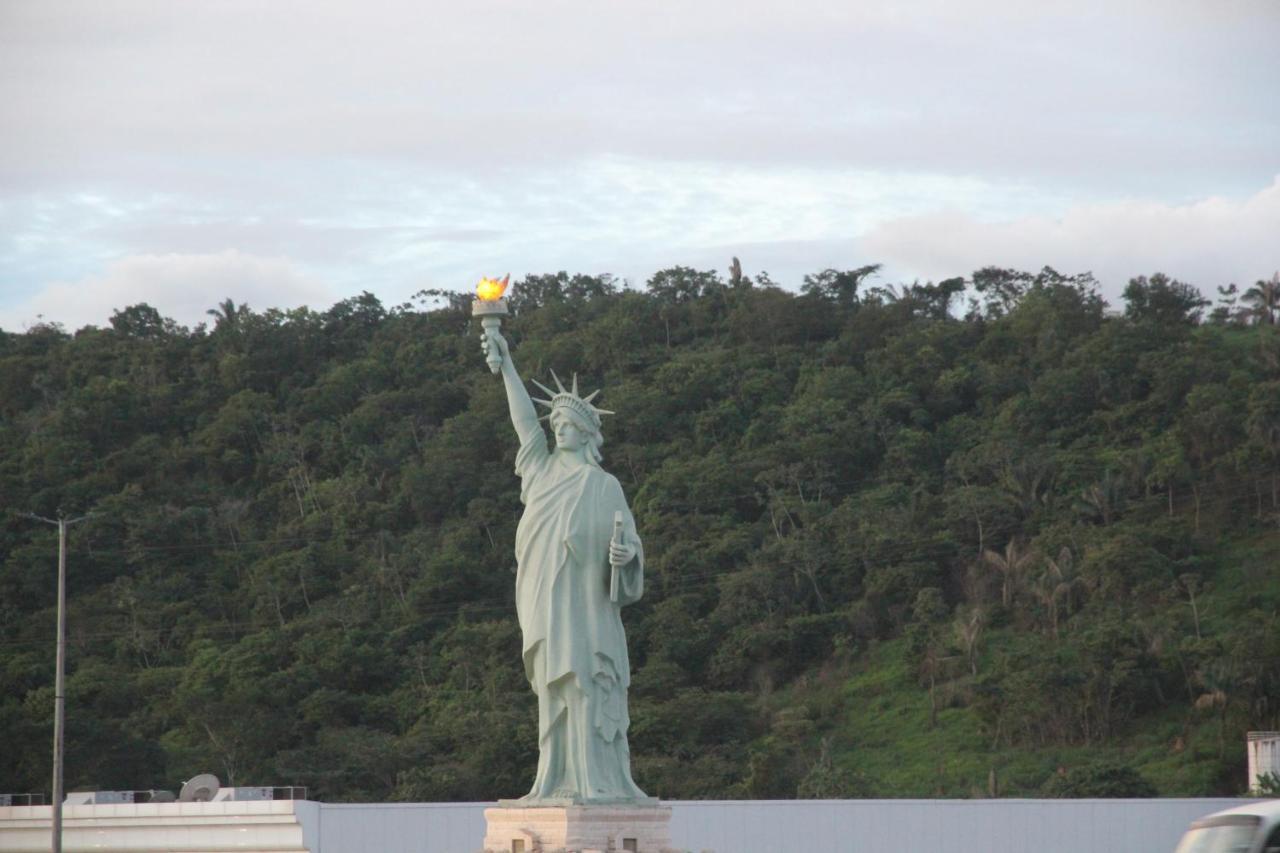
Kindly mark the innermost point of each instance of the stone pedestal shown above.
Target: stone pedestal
(578, 829)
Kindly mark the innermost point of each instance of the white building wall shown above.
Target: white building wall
(934, 826)
(262, 826)
(781, 826)
(401, 827)
(1264, 755)
(817, 826)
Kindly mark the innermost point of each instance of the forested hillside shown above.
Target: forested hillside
(983, 536)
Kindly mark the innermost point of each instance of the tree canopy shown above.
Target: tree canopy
(1030, 535)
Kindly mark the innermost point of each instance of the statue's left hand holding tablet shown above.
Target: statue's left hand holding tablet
(621, 553)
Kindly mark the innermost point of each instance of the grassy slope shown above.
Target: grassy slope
(884, 735)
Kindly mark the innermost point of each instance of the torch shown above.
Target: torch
(490, 307)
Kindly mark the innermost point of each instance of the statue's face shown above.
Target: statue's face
(569, 436)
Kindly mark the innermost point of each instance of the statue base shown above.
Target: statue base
(513, 827)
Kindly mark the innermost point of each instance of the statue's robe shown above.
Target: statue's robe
(575, 651)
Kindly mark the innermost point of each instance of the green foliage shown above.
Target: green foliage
(1102, 779)
(1268, 785)
(1163, 300)
(891, 552)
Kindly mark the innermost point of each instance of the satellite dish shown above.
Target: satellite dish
(199, 789)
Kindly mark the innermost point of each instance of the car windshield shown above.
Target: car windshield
(1232, 834)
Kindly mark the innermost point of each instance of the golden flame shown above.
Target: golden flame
(490, 289)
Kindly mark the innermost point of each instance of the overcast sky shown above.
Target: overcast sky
(290, 153)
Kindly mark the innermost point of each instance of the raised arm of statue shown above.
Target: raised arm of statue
(523, 415)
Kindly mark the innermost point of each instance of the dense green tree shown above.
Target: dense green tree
(1160, 299)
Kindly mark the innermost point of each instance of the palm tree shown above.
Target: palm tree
(1264, 298)
(225, 314)
(1103, 498)
(1192, 586)
(1056, 586)
(969, 624)
(1011, 565)
(1027, 482)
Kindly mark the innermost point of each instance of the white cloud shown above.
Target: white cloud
(182, 287)
(1101, 90)
(394, 235)
(1209, 242)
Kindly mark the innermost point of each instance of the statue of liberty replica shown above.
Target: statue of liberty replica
(579, 561)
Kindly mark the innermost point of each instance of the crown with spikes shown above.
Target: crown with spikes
(563, 399)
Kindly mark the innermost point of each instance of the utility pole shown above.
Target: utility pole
(59, 685)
